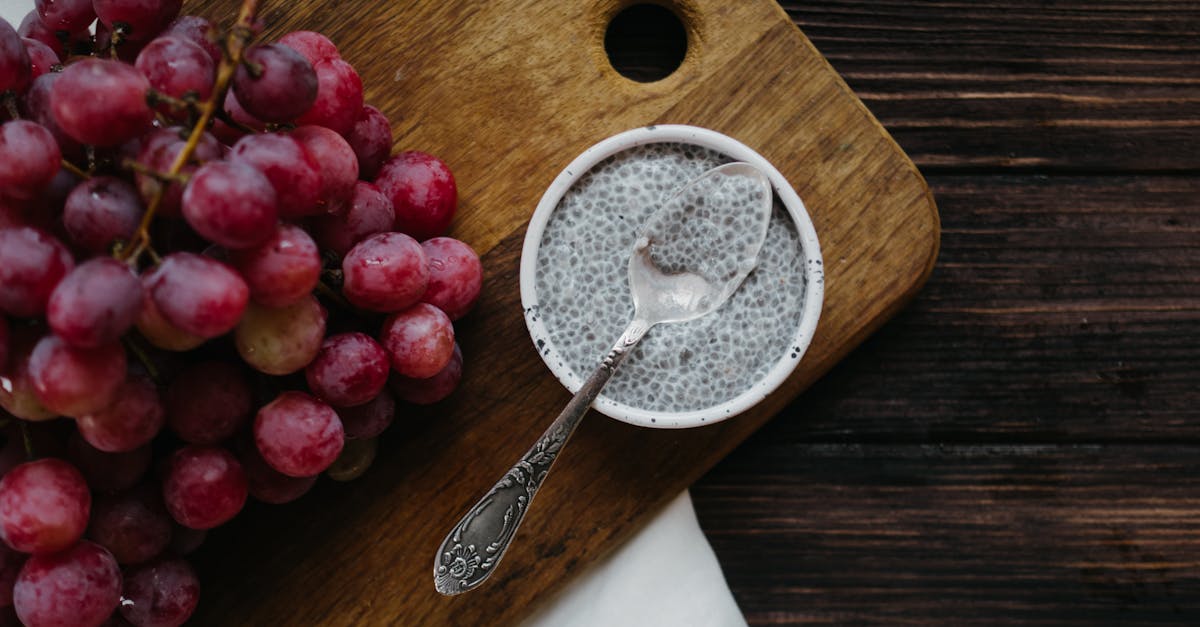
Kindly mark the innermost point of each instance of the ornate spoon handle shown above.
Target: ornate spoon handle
(471, 551)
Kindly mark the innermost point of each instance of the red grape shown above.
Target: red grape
(101, 102)
(209, 401)
(95, 303)
(157, 330)
(338, 166)
(282, 270)
(103, 43)
(198, 31)
(17, 396)
(134, 526)
(371, 139)
(100, 211)
(298, 435)
(294, 175)
(370, 212)
(36, 107)
(199, 295)
(423, 193)
(455, 276)
(267, 484)
(66, 15)
(420, 340)
(76, 381)
(239, 115)
(433, 389)
(176, 66)
(41, 57)
(351, 369)
(311, 45)
(355, 459)
(228, 205)
(143, 19)
(158, 152)
(44, 506)
(339, 96)
(281, 340)
(32, 27)
(274, 83)
(370, 419)
(385, 272)
(204, 486)
(79, 587)
(32, 262)
(160, 594)
(108, 472)
(10, 566)
(15, 72)
(131, 421)
(29, 159)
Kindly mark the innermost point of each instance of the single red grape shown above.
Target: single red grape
(385, 272)
(76, 381)
(282, 270)
(100, 211)
(44, 506)
(17, 395)
(134, 525)
(95, 303)
(274, 83)
(209, 401)
(433, 389)
(351, 369)
(423, 193)
(420, 340)
(338, 166)
(41, 57)
(339, 97)
(298, 435)
(177, 67)
(15, 72)
(101, 102)
(32, 262)
(369, 419)
(267, 484)
(130, 422)
(231, 206)
(78, 587)
(370, 212)
(371, 139)
(161, 594)
(108, 472)
(281, 340)
(142, 19)
(199, 295)
(66, 15)
(455, 276)
(311, 45)
(10, 567)
(36, 108)
(157, 330)
(204, 486)
(198, 31)
(294, 175)
(29, 159)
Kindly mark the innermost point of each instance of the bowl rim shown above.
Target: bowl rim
(813, 270)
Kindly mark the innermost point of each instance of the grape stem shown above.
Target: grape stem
(76, 170)
(27, 440)
(142, 357)
(235, 44)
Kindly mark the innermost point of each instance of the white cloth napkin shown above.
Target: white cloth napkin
(666, 575)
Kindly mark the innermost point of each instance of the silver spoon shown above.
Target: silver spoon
(690, 256)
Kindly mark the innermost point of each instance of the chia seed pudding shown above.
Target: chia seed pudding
(584, 302)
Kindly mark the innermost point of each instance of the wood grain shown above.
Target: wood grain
(1019, 445)
(508, 93)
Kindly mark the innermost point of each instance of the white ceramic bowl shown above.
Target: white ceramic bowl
(813, 269)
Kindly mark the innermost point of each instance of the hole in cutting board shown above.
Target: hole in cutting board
(645, 42)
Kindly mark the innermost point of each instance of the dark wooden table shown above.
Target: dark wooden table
(1022, 444)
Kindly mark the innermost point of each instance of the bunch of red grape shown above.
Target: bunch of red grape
(210, 264)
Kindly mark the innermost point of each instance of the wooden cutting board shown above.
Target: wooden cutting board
(508, 92)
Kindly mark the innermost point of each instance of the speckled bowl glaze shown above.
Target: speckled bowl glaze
(809, 298)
